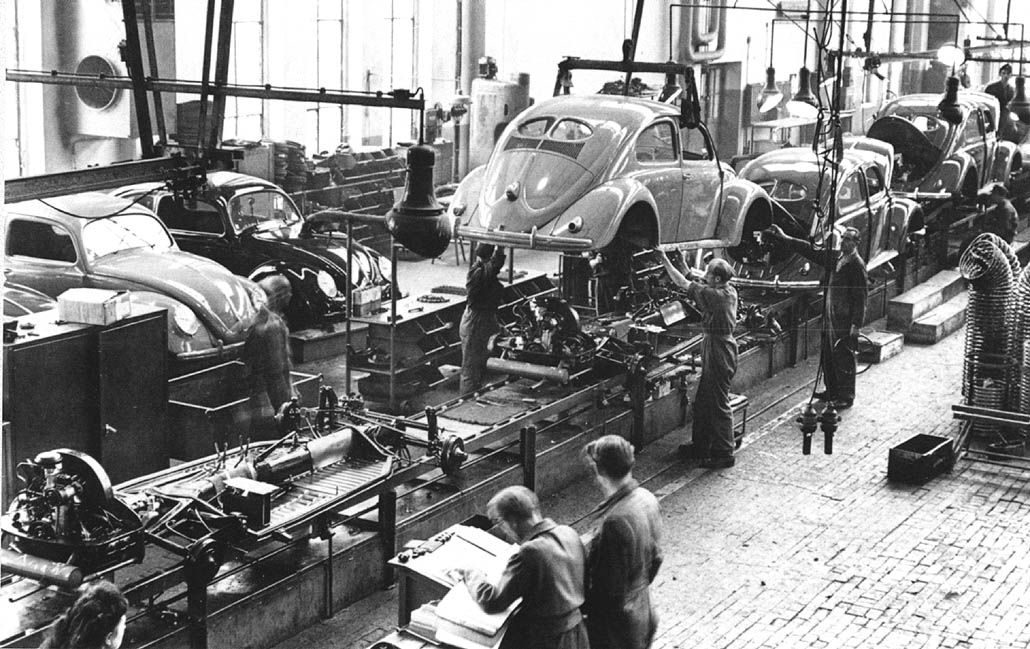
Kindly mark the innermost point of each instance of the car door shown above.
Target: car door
(974, 143)
(658, 169)
(878, 207)
(851, 206)
(701, 187)
(42, 255)
(199, 227)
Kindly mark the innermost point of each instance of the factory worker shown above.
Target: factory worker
(846, 298)
(267, 350)
(547, 572)
(484, 295)
(713, 420)
(623, 553)
(1001, 217)
(95, 621)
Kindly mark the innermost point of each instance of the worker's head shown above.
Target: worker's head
(612, 458)
(1005, 71)
(718, 272)
(95, 621)
(515, 508)
(485, 250)
(849, 240)
(278, 290)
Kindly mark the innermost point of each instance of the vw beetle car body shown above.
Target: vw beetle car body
(937, 156)
(578, 173)
(21, 301)
(797, 180)
(96, 240)
(253, 228)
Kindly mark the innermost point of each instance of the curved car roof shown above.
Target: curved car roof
(627, 111)
(967, 99)
(76, 210)
(801, 165)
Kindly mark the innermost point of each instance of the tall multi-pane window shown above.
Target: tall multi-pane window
(324, 122)
(244, 116)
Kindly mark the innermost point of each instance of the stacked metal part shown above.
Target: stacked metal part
(990, 322)
(1021, 402)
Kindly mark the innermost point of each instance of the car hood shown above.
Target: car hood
(221, 300)
(915, 148)
(319, 252)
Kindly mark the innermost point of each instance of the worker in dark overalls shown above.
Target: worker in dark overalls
(713, 420)
(484, 295)
(1001, 217)
(846, 297)
(267, 349)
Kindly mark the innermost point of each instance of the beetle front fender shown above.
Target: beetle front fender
(600, 211)
(746, 208)
(467, 197)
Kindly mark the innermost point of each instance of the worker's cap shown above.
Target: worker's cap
(485, 250)
(1006, 68)
(851, 233)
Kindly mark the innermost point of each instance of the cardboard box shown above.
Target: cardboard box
(365, 310)
(366, 295)
(93, 306)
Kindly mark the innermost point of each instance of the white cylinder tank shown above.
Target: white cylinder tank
(494, 104)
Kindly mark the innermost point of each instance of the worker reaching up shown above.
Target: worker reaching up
(484, 295)
(713, 420)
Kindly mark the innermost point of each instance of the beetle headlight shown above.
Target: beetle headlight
(186, 320)
(327, 284)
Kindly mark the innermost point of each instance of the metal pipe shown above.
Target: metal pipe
(528, 370)
(148, 31)
(209, 27)
(41, 570)
(221, 71)
(397, 98)
(134, 61)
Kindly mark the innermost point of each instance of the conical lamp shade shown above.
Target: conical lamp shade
(771, 95)
(949, 107)
(804, 93)
(1019, 104)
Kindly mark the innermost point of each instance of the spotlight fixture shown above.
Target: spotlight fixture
(771, 95)
(804, 103)
(949, 108)
(1019, 105)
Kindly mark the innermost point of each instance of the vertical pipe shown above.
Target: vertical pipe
(148, 31)
(393, 323)
(631, 53)
(328, 603)
(205, 73)
(221, 71)
(528, 447)
(388, 533)
(350, 312)
(196, 607)
(134, 61)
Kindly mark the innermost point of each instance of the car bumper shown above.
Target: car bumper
(235, 350)
(801, 285)
(530, 240)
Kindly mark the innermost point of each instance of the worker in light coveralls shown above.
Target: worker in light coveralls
(712, 441)
(484, 297)
(267, 349)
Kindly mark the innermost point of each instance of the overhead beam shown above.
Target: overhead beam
(397, 98)
(96, 178)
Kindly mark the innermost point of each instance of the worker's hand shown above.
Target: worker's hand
(774, 231)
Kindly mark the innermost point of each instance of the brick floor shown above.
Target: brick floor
(788, 550)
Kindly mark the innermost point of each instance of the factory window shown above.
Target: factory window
(244, 116)
(40, 241)
(657, 144)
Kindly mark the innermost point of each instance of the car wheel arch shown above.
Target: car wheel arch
(639, 224)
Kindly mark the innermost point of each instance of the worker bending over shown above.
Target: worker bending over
(267, 349)
(846, 298)
(623, 553)
(713, 420)
(484, 296)
(547, 572)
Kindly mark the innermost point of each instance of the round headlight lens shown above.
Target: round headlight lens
(186, 320)
(326, 284)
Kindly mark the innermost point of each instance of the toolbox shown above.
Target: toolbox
(920, 458)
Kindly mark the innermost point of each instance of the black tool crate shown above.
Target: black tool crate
(920, 458)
